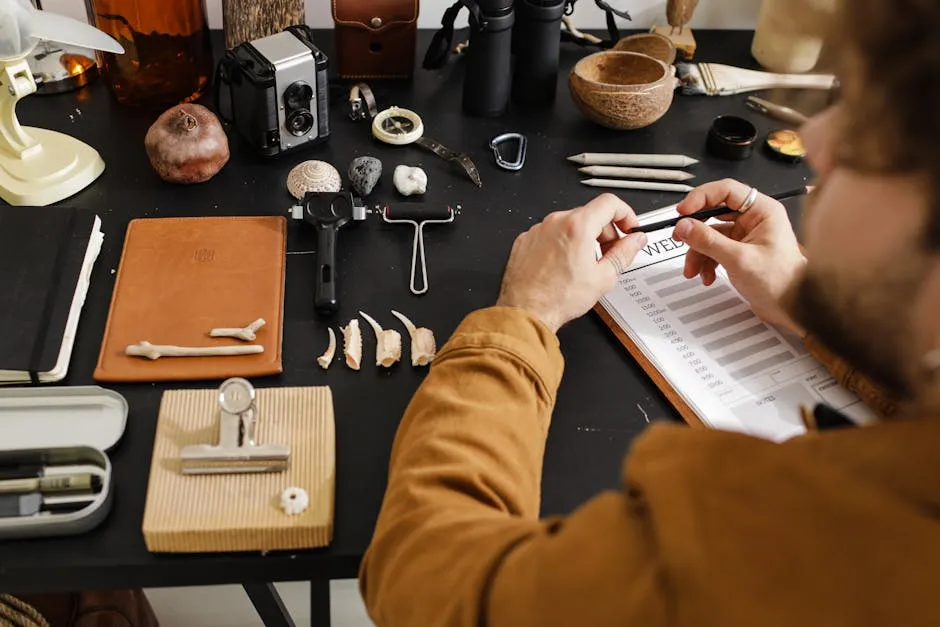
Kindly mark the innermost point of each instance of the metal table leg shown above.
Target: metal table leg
(268, 604)
(320, 603)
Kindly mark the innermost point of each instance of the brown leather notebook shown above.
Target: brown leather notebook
(180, 278)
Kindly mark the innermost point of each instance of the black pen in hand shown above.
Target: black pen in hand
(707, 214)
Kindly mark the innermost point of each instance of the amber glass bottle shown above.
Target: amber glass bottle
(168, 57)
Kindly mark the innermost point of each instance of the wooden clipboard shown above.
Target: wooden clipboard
(681, 406)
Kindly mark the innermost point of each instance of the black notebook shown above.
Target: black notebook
(46, 258)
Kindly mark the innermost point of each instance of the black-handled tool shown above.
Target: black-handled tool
(328, 212)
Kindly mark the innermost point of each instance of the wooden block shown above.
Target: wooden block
(247, 20)
(222, 513)
(684, 41)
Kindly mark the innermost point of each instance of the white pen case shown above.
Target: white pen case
(61, 428)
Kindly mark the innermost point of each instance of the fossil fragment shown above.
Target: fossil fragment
(387, 343)
(327, 358)
(352, 344)
(156, 351)
(248, 333)
(410, 181)
(423, 347)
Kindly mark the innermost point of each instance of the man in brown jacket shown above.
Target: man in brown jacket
(836, 527)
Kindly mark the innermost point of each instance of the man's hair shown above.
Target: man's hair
(889, 56)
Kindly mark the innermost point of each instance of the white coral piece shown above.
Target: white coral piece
(352, 344)
(327, 358)
(387, 343)
(423, 346)
(410, 181)
(294, 500)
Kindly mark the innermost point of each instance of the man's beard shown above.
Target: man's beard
(865, 321)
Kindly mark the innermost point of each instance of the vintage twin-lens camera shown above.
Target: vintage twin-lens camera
(277, 90)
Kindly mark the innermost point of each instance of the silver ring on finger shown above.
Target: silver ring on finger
(749, 200)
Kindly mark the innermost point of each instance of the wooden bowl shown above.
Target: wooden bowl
(622, 90)
(651, 44)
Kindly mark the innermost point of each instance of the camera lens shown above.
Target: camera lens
(298, 95)
(299, 122)
(297, 103)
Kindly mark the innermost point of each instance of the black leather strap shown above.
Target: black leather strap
(443, 40)
(465, 163)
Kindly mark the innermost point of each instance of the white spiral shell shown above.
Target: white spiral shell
(313, 176)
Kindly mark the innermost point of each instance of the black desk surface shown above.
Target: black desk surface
(604, 400)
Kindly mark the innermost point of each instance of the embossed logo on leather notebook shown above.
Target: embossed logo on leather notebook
(179, 278)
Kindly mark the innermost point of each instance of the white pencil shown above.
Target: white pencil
(652, 174)
(647, 185)
(646, 161)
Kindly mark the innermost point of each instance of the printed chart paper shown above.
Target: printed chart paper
(735, 371)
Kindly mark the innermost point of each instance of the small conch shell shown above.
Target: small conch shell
(327, 358)
(387, 343)
(313, 176)
(423, 347)
(409, 181)
(352, 344)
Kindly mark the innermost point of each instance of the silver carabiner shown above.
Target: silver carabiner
(513, 166)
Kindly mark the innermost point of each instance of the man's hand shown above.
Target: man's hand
(758, 248)
(553, 270)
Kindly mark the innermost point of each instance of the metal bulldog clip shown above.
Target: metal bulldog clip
(236, 451)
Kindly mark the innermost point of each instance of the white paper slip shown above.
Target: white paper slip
(733, 370)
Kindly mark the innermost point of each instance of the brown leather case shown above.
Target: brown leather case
(375, 38)
(181, 277)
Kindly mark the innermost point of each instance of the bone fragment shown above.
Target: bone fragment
(352, 344)
(423, 347)
(327, 358)
(387, 343)
(248, 333)
(156, 351)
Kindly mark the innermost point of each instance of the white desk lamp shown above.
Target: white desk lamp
(37, 166)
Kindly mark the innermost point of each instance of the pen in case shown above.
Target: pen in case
(20, 471)
(52, 484)
(18, 505)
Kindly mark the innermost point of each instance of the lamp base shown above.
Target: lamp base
(63, 167)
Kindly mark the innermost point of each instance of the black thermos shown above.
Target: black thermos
(488, 80)
(536, 43)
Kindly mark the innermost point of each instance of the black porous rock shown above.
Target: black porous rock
(364, 174)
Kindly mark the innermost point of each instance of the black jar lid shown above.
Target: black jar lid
(731, 137)
(786, 145)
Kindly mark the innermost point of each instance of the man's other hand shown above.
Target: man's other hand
(757, 248)
(553, 271)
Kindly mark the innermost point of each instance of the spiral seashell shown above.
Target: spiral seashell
(313, 176)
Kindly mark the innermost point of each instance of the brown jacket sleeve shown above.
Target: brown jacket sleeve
(458, 541)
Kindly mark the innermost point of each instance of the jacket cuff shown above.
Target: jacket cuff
(516, 332)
